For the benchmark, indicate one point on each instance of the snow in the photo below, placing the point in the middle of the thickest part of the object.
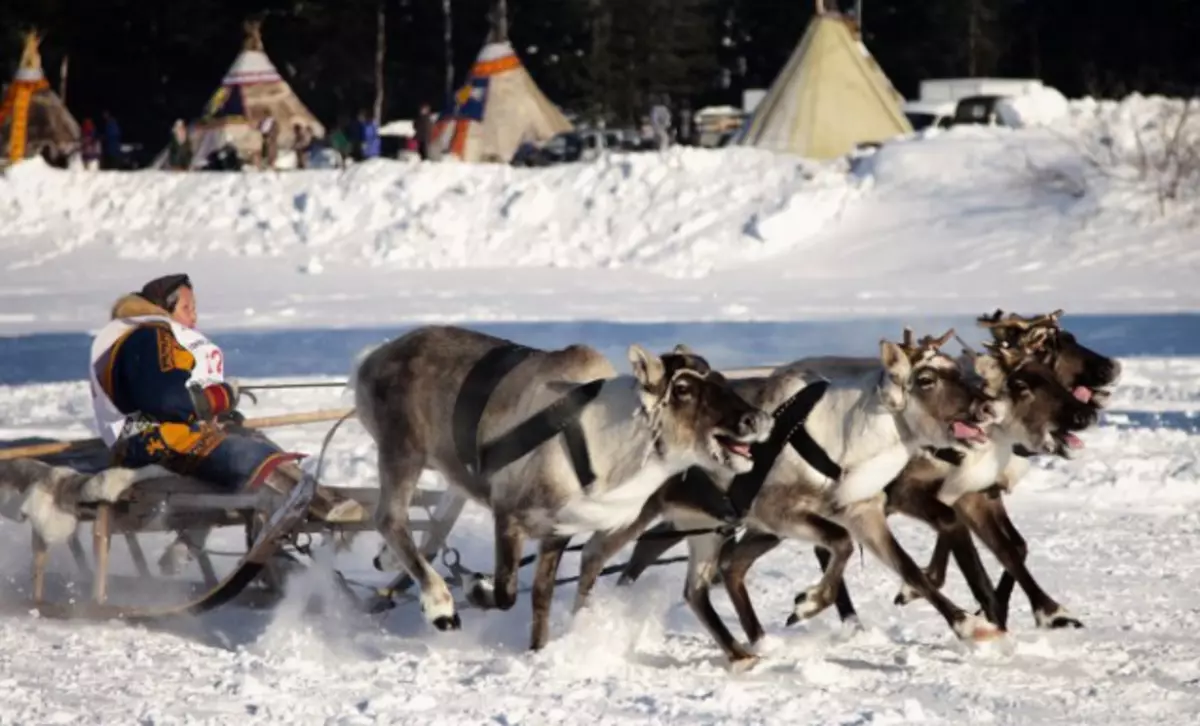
(956, 221)
(1108, 536)
(746, 256)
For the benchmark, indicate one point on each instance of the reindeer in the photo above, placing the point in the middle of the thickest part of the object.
(1036, 415)
(1089, 376)
(869, 422)
(486, 413)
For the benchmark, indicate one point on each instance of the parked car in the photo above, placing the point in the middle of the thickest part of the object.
(927, 114)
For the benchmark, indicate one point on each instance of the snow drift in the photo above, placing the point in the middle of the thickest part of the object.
(678, 213)
(1095, 202)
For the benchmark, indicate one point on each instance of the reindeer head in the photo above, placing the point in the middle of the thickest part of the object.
(1086, 373)
(930, 393)
(696, 412)
(1036, 410)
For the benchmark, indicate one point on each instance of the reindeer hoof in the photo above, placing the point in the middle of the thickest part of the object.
(1060, 619)
(482, 592)
(743, 663)
(448, 622)
(905, 596)
(977, 629)
(808, 603)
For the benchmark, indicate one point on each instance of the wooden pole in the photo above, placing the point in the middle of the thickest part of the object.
(62, 78)
(80, 445)
(500, 21)
(448, 41)
(380, 49)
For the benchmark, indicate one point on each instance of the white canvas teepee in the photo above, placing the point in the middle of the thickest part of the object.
(831, 96)
(32, 116)
(251, 91)
(497, 109)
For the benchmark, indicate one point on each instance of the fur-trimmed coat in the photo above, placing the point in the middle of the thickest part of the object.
(146, 372)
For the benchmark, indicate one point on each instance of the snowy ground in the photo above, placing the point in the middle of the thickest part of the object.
(1112, 535)
(297, 272)
(956, 222)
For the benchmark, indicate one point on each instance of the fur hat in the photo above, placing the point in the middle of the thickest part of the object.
(164, 291)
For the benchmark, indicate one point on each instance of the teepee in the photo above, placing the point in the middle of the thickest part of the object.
(31, 115)
(251, 91)
(498, 108)
(831, 96)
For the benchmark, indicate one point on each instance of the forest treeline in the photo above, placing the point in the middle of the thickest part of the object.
(152, 61)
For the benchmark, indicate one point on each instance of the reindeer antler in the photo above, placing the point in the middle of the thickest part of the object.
(908, 343)
(930, 343)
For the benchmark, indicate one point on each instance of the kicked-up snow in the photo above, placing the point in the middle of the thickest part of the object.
(1081, 205)
(1111, 536)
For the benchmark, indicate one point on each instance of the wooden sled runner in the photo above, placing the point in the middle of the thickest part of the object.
(169, 504)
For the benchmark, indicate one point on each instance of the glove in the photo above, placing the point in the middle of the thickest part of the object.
(212, 401)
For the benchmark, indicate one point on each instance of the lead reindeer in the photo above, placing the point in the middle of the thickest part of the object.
(866, 425)
(1089, 377)
(1036, 415)
(486, 414)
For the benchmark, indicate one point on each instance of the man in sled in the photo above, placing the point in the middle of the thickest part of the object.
(160, 396)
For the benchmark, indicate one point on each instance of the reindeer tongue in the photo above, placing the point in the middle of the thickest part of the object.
(966, 432)
(741, 448)
(1083, 393)
(1072, 441)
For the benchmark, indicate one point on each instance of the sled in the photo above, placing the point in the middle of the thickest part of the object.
(172, 504)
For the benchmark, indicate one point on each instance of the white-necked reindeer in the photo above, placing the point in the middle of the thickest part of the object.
(553, 442)
(869, 421)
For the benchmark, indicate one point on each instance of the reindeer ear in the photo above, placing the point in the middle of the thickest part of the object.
(647, 367)
(895, 360)
(682, 349)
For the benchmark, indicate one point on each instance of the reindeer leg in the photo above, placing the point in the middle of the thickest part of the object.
(984, 519)
(399, 472)
(953, 537)
(648, 549)
(742, 555)
(935, 571)
(834, 548)
(602, 546)
(500, 592)
(868, 523)
(704, 553)
(549, 555)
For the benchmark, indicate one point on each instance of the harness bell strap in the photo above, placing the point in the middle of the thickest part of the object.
(789, 428)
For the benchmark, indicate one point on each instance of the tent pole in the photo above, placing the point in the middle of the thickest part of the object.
(380, 48)
(448, 40)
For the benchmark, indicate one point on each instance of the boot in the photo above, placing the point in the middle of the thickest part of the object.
(330, 506)
(327, 505)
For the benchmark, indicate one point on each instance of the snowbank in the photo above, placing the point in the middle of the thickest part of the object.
(680, 213)
(1070, 210)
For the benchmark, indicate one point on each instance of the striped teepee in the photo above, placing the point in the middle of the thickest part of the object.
(31, 115)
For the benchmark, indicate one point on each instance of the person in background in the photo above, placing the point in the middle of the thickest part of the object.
(660, 122)
(179, 149)
(340, 142)
(423, 129)
(370, 136)
(89, 145)
(110, 145)
(270, 142)
(301, 143)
